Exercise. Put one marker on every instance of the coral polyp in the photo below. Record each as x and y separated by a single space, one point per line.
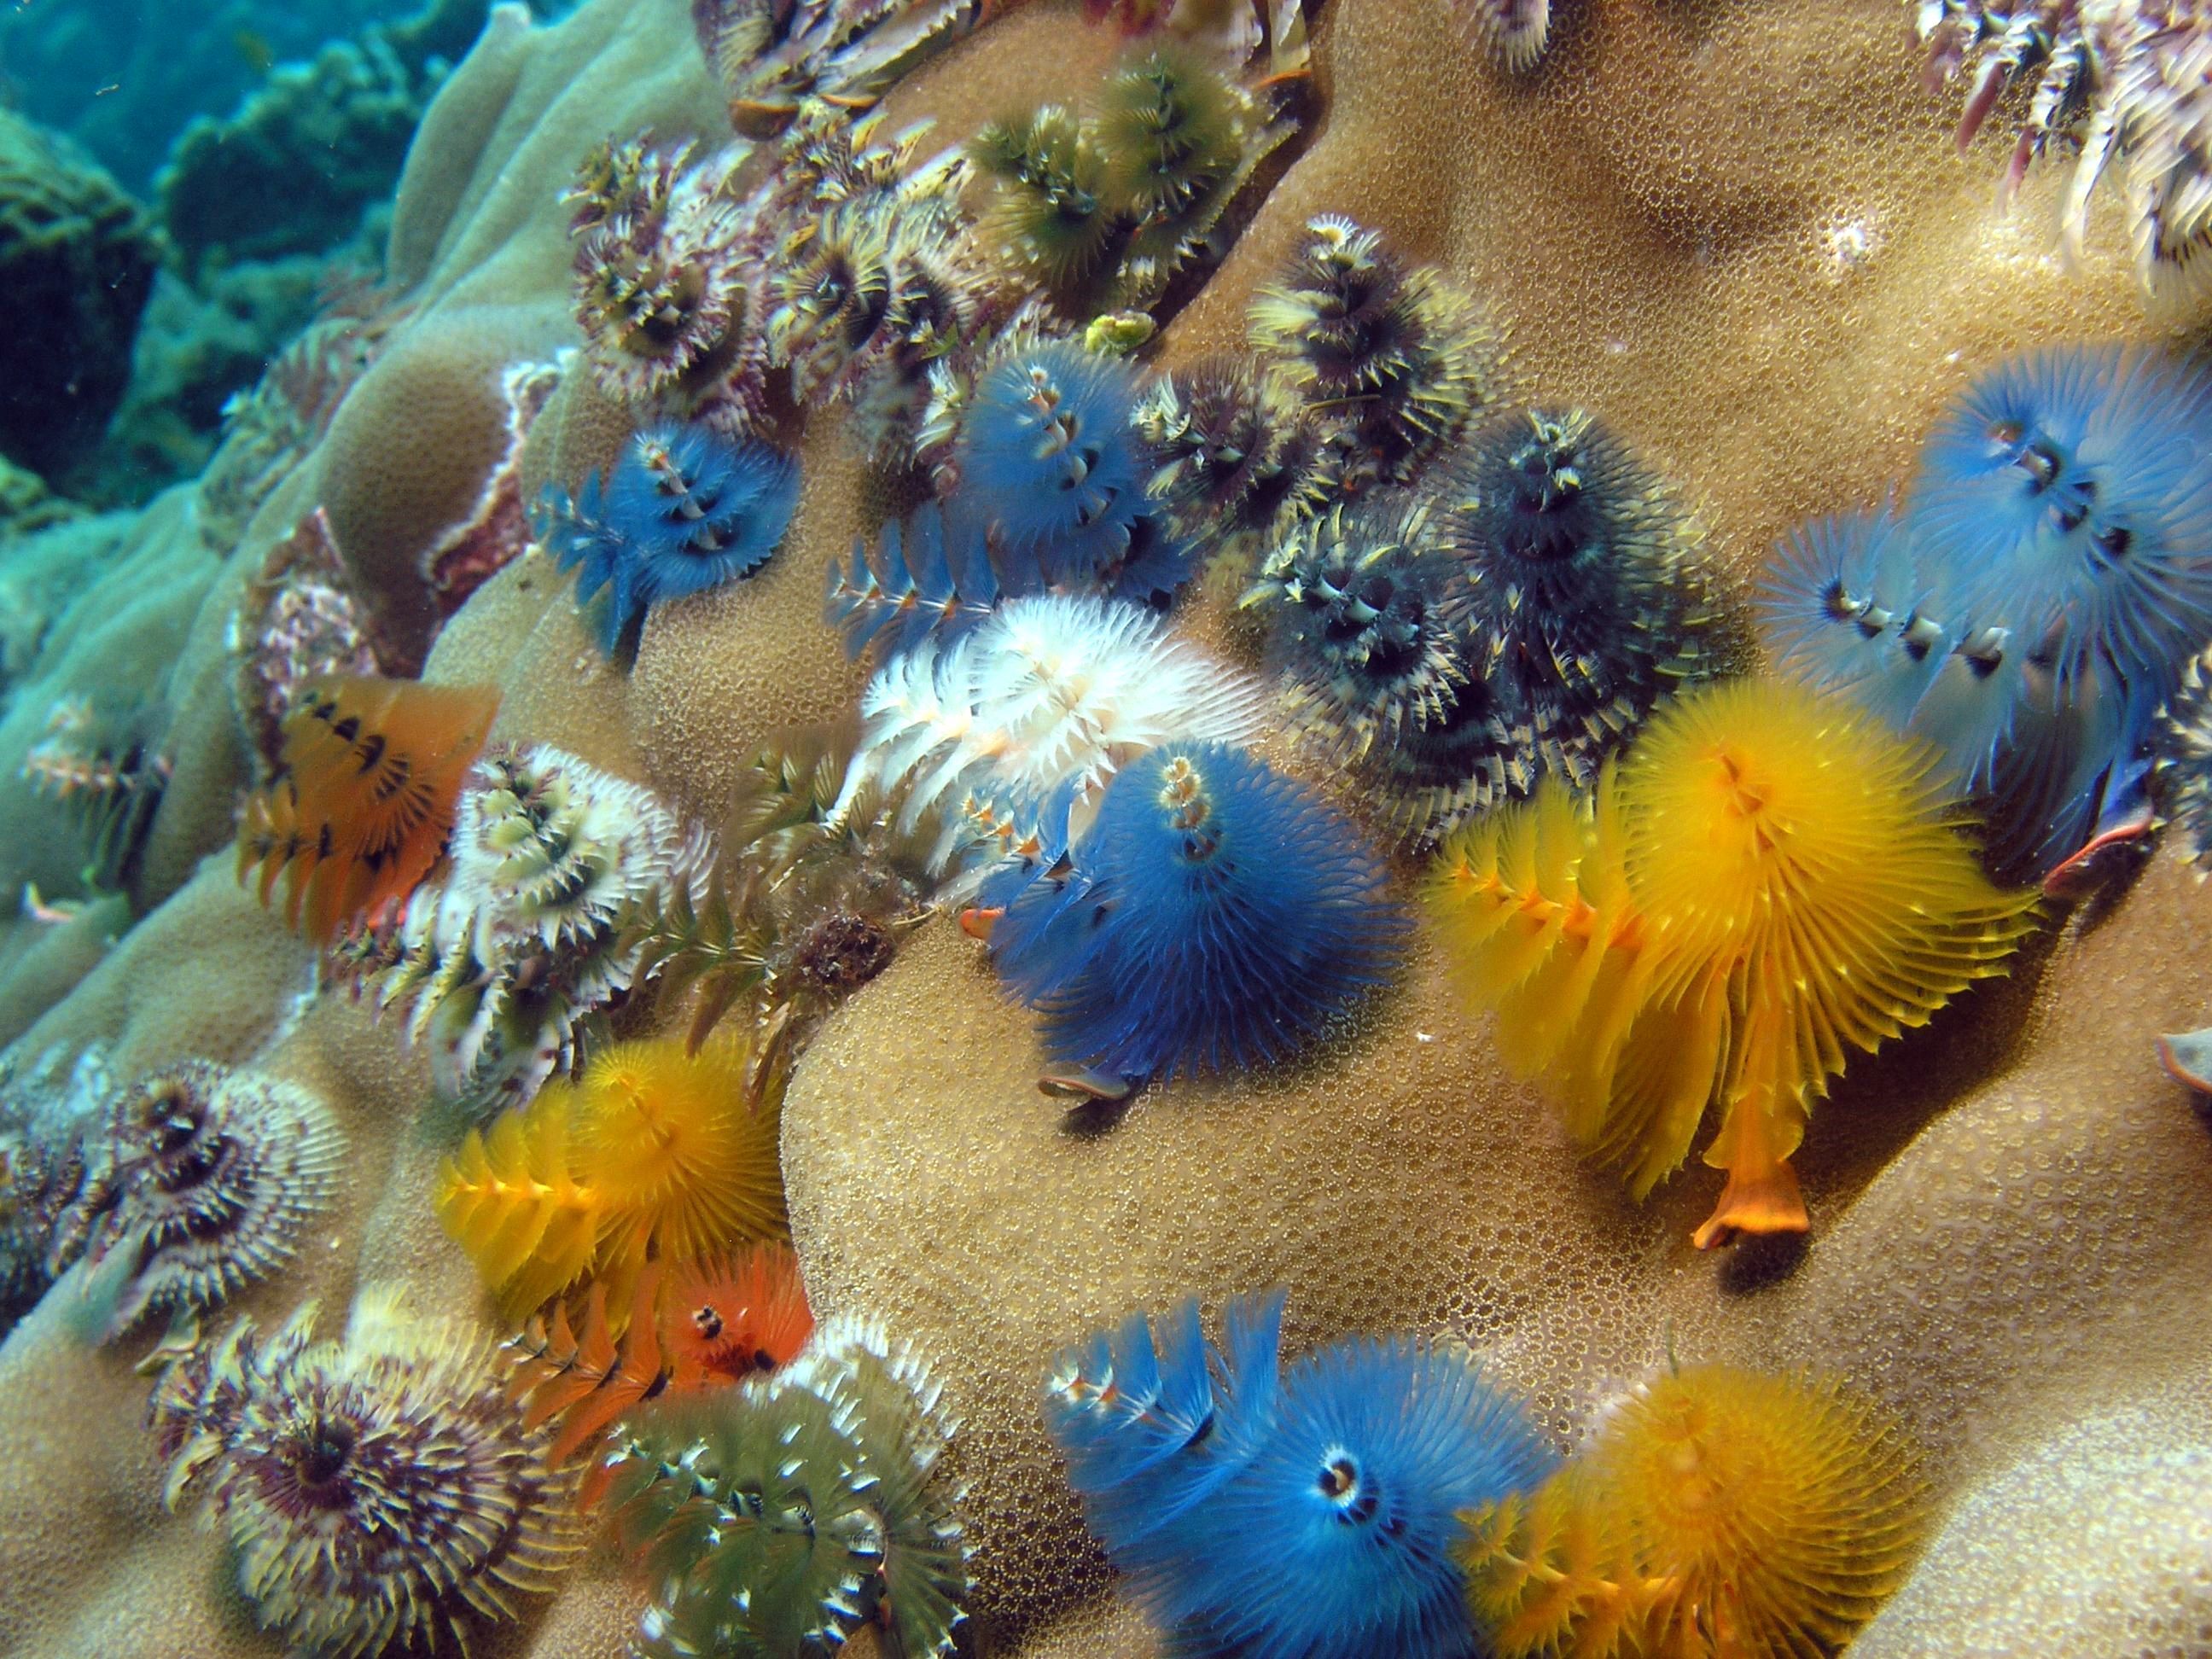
1236 456
683 511
1215 916
786 1517
380 1492
661 282
1718 1510
362 808
1766 884
1216 1484
197 1182
1394 359
1047 459
1076 654
498 962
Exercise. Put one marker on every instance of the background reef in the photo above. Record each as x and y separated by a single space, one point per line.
1742 233
176 204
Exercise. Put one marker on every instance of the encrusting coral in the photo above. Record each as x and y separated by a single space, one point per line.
1718 1511
380 1490
1762 251
1764 885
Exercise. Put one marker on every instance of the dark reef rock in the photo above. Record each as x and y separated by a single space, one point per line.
293 170
77 258
198 348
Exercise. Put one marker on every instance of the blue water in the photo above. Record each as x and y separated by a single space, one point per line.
122 76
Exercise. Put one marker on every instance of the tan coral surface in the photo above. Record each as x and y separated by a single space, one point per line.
1739 230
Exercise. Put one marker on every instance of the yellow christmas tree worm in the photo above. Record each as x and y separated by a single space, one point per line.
654 1154
1765 883
1720 1513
